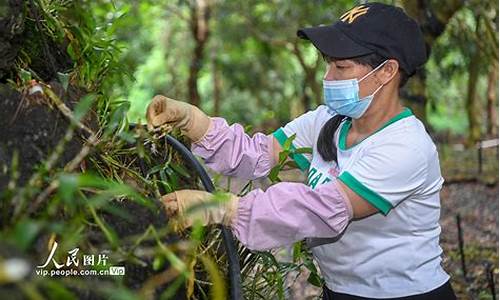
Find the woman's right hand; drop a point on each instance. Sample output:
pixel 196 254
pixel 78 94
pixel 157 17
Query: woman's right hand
pixel 163 110
pixel 188 118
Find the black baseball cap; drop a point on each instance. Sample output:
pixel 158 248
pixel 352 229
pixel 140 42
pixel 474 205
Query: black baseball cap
pixel 372 28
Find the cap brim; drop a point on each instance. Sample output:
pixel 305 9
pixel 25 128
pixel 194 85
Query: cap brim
pixel 333 42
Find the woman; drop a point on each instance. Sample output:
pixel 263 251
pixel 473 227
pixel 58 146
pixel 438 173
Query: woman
pixel 370 208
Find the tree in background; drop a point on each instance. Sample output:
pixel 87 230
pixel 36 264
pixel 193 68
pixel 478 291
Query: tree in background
pixel 462 59
pixel 254 69
pixel 432 17
pixel 200 29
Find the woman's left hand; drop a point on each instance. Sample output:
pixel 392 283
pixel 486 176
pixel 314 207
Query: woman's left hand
pixel 192 205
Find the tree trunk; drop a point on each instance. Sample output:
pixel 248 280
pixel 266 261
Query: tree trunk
pixel 415 96
pixel 305 99
pixel 492 112
pixel 471 106
pixel 432 17
pixel 315 85
pixel 200 14
pixel 309 80
pixel 217 84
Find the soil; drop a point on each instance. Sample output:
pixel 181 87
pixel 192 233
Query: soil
pixel 32 130
pixel 141 218
pixel 477 205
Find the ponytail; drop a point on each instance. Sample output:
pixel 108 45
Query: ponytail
pixel 326 140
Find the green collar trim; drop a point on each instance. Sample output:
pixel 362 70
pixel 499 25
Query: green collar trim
pixel 302 162
pixel 344 130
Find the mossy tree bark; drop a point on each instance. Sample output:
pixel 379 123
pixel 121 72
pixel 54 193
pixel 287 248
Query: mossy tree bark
pixel 492 92
pixel 471 103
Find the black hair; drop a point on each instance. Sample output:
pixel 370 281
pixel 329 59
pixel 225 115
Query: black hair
pixel 326 143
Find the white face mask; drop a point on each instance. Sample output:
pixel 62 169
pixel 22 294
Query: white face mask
pixel 342 96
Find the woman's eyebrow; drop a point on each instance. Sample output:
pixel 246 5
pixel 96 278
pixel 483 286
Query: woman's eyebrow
pixel 343 62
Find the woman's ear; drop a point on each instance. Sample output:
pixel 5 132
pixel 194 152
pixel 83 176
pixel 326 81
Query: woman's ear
pixel 389 71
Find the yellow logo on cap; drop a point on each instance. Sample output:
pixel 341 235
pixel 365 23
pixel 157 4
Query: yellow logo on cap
pixel 354 13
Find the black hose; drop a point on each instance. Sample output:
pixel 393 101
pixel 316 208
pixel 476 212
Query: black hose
pixel 227 236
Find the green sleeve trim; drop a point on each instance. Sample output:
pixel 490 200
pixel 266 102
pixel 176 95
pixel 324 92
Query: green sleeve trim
pixel 379 202
pixel 299 158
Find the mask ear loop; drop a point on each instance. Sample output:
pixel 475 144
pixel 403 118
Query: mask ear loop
pixel 382 85
pixel 378 89
pixel 372 95
pixel 372 71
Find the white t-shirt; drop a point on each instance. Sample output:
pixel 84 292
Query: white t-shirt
pixel 396 252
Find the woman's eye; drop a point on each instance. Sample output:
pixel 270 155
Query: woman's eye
pixel 340 67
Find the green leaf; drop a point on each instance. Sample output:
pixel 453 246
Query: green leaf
pixel 273 175
pixel 119 293
pixel 158 262
pixel 155 169
pixel 68 184
pixel 171 291
pixel 198 233
pixel 248 128
pixel 175 261
pixel 164 182
pixel 117 117
pixel 110 234
pixel 283 155
pixel 297 251
pixel 25 76
pixel 63 79
pixel 218 290
pixel 84 106
pixel 315 279
pixel 118 211
pixel 25 233
pixel 288 143
pixel 127 137
pixel 71 52
pixel 173 179
pixel 180 169
pixel 91 180
pixel 56 290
